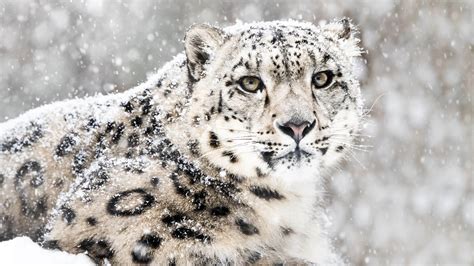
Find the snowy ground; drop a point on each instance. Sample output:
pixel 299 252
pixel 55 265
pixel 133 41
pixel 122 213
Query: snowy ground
pixel 23 251
pixel 408 200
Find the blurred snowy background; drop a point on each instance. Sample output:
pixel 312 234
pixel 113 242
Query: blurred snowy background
pixel 409 200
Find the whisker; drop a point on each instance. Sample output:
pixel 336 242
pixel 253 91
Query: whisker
pixel 373 104
pixel 240 130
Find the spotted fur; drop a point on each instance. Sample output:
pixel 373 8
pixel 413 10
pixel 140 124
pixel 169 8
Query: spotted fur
pixel 189 167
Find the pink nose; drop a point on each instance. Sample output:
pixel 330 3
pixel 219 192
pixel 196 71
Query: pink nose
pixel 297 130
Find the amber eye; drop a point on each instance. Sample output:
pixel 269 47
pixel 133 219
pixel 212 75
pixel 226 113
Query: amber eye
pixel 251 84
pixel 323 79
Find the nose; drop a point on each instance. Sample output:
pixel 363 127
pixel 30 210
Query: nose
pixel 297 129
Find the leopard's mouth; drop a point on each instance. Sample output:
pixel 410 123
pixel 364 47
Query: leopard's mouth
pixel 297 154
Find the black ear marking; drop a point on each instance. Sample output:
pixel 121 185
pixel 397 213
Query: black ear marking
pixel 343 28
pixel 200 42
pixel 345 33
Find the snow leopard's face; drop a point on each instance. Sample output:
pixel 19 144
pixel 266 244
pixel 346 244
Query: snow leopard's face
pixel 274 98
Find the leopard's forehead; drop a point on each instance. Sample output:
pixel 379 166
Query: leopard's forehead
pixel 288 27
pixel 291 47
pixel 276 34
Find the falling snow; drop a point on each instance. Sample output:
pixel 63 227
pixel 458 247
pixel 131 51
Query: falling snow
pixel 407 199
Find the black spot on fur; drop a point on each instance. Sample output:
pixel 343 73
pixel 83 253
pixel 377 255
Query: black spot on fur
pixel 65 145
pixel 146 106
pixel 246 228
pixel 155 181
pixel 213 140
pixel 266 193
pixel 92 221
pixel 114 209
pixel 32 205
pixel 339 148
pixel 128 106
pixel 142 256
pixel 267 156
pixel 2 178
pixel 118 133
pixel 172 262
pixel 179 187
pixel 193 146
pixel 17 144
pixel 220 211
pixel 254 257
pixel 219 106
pixel 151 240
pixel 6 230
pixel 170 220
pixel 259 172
pixel 286 231
pixel 136 121
pixel 28 167
pixel 199 200
pixel 51 244
pixel 232 157
pixel 68 214
pixel 267 101
pixel 97 249
pixel 185 233
pixel 79 162
pixel 323 150
pixel 133 140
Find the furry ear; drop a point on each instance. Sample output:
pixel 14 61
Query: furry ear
pixel 344 34
pixel 200 43
pixel 342 29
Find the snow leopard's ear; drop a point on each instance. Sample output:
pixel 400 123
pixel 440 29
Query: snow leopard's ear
pixel 344 34
pixel 341 29
pixel 200 44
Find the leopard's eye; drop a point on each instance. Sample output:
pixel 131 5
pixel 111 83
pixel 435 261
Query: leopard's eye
pixel 323 79
pixel 251 84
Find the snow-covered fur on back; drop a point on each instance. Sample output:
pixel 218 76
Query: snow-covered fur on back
pixel 216 159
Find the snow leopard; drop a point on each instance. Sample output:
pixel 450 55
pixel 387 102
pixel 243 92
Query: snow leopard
pixel 217 159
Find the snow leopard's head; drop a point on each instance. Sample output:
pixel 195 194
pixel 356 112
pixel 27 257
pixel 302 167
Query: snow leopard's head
pixel 275 96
